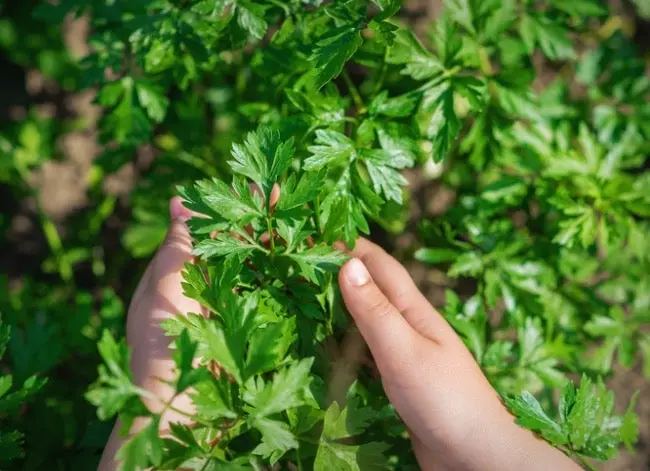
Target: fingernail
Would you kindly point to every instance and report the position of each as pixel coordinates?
(356, 272)
(177, 210)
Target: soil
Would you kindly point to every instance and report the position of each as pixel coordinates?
(63, 186)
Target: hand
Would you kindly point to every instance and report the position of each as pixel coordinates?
(159, 296)
(456, 419)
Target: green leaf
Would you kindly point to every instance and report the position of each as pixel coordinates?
(580, 8)
(152, 99)
(183, 356)
(126, 122)
(250, 18)
(5, 384)
(529, 414)
(408, 51)
(262, 158)
(276, 437)
(287, 389)
(462, 12)
(444, 125)
(332, 147)
(11, 445)
(435, 255)
(5, 335)
(468, 264)
(388, 8)
(115, 387)
(384, 30)
(213, 399)
(346, 424)
(383, 169)
(551, 38)
(333, 456)
(318, 259)
(296, 195)
(398, 141)
(268, 347)
(224, 245)
(396, 107)
(332, 51)
(139, 451)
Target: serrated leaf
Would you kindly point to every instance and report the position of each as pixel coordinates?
(444, 125)
(268, 347)
(529, 414)
(408, 51)
(296, 195)
(224, 245)
(286, 390)
(396, 107)
(213, 399)
(277, 438)
(383, 170)
(250, 18)
(332, 51)
(318, 259)
(137, 453)
(332, 455)
(332, 147)
(262, 158)
(580, 8)
(152, 99)
(551, 38)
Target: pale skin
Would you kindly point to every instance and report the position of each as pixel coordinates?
(455, 418)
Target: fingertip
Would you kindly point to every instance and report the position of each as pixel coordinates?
(341, 246)
(275, 195)
(177, 210)
(355, 273)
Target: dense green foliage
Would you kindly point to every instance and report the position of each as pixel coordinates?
(534, 114)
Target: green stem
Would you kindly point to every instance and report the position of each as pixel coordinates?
(382, 74)
(486, 65)
(269, 228)
(277, 3)
(298, 458)
(354, 92)
(317, 214)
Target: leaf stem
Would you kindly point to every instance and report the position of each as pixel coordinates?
(279, 4)
(382, 74)
(317, 214)
(269, 228)
(354, 92)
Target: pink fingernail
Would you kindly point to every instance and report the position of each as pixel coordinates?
(356, 272)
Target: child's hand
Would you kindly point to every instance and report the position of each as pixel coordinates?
(159, 296)
(456, 420)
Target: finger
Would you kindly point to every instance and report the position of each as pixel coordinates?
(389, 336)
(275, 195)
(167, 266)
(395, 282)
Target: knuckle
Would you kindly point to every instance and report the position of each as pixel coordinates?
(371, 253)
(379, 306)
(402, 299)
(177, 240)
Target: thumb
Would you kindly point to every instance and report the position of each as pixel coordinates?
(175, 251)
(389, 336)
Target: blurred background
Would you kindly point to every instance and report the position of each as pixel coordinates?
(81, 212)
